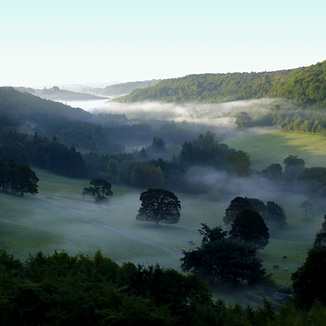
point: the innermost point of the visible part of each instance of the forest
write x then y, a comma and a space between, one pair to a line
304, 84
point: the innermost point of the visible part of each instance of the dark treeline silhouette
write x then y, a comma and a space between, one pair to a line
272, 213
17, 179
295, 176
136, 170
60, 289
42, 152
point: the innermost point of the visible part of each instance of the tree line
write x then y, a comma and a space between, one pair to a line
60, 289
296, 176
134, 169
297, 117
42, 152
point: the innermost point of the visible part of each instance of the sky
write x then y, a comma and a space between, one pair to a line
100, 42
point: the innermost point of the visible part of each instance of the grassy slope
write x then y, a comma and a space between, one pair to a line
275, 145
272, 147
59, 218
49, 222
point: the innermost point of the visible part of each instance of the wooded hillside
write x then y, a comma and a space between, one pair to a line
306, 84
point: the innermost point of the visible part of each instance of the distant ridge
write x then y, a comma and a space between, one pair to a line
56, 94
306, 84
22, 106
121, 89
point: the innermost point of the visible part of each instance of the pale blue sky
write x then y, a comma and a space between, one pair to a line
45, 43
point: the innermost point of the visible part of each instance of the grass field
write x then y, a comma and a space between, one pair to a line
273, 146
59, 218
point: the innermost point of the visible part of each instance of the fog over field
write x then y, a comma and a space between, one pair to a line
221, 114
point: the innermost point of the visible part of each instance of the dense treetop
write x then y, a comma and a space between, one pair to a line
60, 289
159, 205
223, 258
305, 84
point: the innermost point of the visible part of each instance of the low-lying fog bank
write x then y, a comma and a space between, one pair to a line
221, 114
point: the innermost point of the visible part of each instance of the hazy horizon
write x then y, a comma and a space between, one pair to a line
103, 42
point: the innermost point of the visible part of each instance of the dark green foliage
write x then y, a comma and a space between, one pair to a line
157, 149
320, 240
314, 179
309, 282
272, 213
293, 167
206, 151
145, 176
257, 205
273, 172
166, 286
42, 152
211, 235
300, 117
275, 215
243, 120
302, 84
239, 162
223, 259
249, 227
100, 189
60, 289
112, 170
236, 205
17, 179
159, 205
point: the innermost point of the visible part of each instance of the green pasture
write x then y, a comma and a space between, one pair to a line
273, 146
59, 218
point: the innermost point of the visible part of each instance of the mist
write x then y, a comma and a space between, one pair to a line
221, 114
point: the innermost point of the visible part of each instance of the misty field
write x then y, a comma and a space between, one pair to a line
59, 218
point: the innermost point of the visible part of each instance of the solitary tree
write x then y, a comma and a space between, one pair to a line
307, 208
25, 180
220, 258
159, 205
249, 226
99, 189
17, 179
